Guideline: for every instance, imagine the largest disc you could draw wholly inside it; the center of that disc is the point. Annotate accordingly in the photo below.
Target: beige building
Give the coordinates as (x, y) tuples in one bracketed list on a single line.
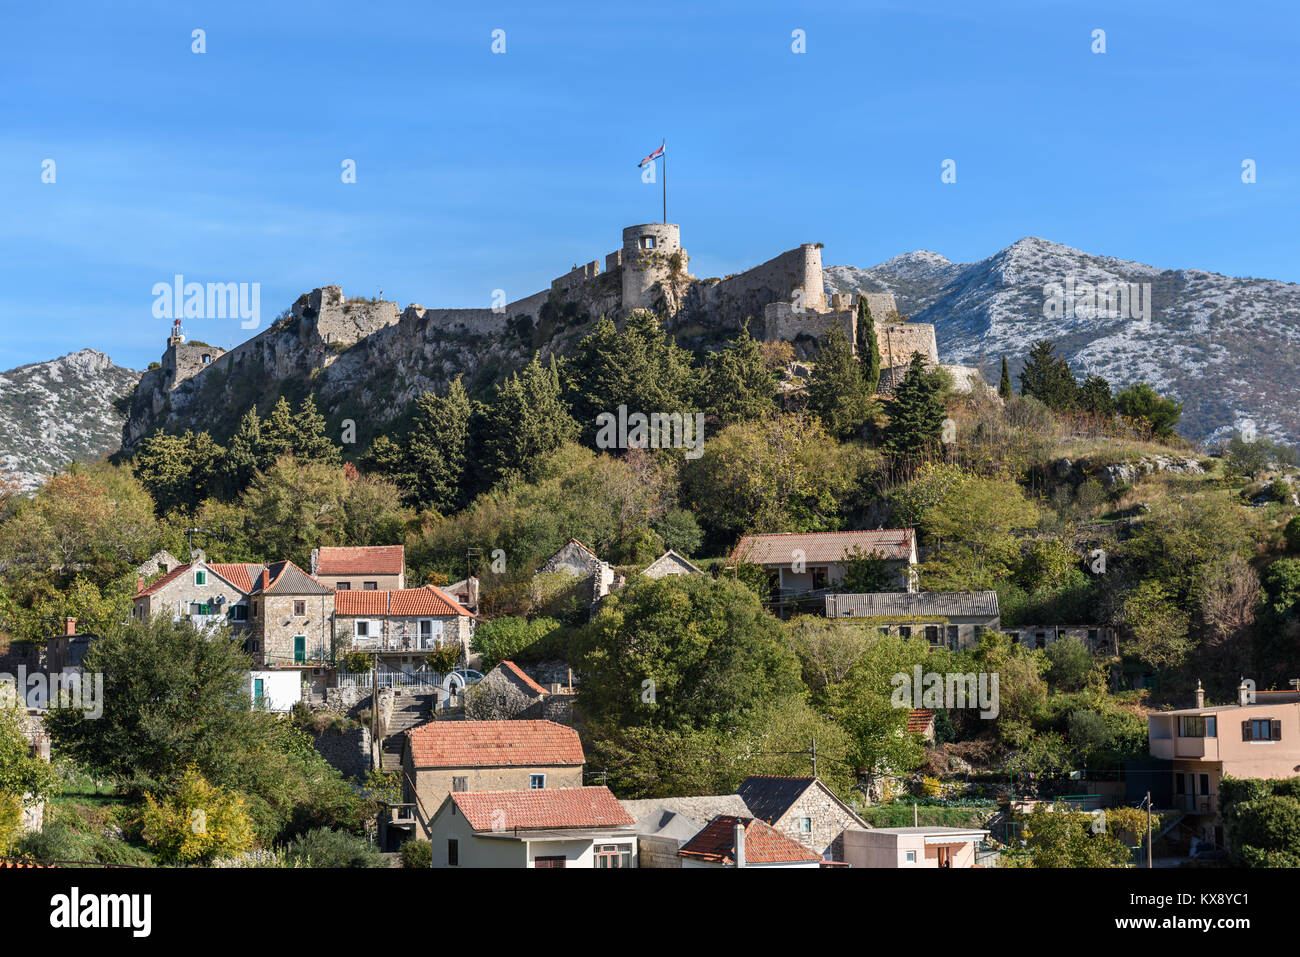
[(444, 757), (403, 624), (807, 562), (1258, 737), (362, 568), (913, 847), (803, 809)]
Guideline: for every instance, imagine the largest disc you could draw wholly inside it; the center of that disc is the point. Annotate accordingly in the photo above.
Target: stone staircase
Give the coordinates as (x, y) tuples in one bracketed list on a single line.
[(409, 709)]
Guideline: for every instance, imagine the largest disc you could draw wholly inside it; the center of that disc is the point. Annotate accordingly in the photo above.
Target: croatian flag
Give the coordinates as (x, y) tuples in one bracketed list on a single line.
[(653, 156)]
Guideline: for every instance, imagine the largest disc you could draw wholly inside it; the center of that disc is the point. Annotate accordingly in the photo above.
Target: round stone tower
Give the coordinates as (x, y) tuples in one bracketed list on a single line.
[(650, 252)]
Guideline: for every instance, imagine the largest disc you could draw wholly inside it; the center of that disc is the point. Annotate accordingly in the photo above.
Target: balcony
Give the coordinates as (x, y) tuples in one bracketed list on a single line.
[(1197, 803), (408, 644), (1202, 749)]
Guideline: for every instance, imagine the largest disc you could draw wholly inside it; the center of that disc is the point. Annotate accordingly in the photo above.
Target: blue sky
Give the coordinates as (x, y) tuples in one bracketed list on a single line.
[(478, 171)]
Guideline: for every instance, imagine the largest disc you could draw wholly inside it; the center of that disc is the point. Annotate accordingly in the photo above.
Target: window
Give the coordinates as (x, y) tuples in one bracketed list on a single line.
[(254, 609), (460, 783), (932, 634), (362, 629), (206, 358), (200, 608), (501, 701), (343, 586), (1261, 729), (954, 637), (536, 781), (239, 612), (370, 586), (1094, 635), (549, 861), (299, 608), (253, 645), (200, 578), (1196, 726), (430, 629), (613, 855), (911, 857), (647, 242), (453, 852), (883, 629), (819, 579), (805, 825), (1040, 639), (905, 631)]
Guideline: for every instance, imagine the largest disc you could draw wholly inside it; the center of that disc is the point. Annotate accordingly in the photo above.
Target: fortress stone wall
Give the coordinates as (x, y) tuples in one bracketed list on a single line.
[(793, 277)]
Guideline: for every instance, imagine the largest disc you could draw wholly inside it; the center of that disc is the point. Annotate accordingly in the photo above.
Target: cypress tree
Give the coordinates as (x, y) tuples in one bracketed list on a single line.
[(310, 443), (438, 448), (737, 386), (527, 421), (1047, 377), (1004, 384), (868, 347)]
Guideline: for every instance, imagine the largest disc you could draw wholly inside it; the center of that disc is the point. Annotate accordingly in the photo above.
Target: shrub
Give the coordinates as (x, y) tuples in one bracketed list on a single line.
[(324, 847), (417, 854), (1293, 534), (197, 822)]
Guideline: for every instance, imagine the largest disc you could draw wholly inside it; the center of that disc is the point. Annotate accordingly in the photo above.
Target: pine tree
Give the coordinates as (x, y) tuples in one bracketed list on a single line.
[(1004, 384), (836, 393), (527, 421), (242, 456), (1047, 377), (917, 412), (310, 443), (438, 448), (868, 346), (1095, 397), (737, 385), (278, 435)]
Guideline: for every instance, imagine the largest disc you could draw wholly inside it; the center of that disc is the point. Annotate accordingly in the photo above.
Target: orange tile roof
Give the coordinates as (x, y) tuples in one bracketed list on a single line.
[(429, 600), (476, 744), (919, 720), (238, 574), (21, 865), (363, 560), (763, 843), (519, 673), (780, 548), (541, 808)]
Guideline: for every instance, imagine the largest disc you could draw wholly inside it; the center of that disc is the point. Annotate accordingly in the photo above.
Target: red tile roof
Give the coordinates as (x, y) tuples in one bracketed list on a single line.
[(519, 673), (238, 574), (363, 560), (429, 600), (919, 721), (476, 744), (779, 548), (763, 843), (541, 808), (21, 865)]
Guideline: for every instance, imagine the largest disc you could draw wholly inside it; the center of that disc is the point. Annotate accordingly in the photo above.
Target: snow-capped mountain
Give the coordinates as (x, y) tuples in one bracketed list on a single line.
[(66, 409), (1227, 347)]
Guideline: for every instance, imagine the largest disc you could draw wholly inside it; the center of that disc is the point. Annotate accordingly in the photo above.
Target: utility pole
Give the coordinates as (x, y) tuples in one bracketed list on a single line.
[(470, 554), (1149, 861), (376, 745), (813, 751)]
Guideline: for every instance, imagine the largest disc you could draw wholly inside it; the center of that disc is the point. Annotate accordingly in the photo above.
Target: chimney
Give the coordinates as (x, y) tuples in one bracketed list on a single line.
[(1243, 693), (70, 626), (740, 844), (1200, 694), (139, 585), (315, 561)]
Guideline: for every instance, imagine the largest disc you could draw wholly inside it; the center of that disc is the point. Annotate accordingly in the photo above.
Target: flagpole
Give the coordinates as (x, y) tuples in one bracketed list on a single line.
[(665, 184)]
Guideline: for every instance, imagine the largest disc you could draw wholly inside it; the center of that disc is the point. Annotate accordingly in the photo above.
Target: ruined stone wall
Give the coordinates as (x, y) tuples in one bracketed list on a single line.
[(805, 329), (747, 294), (898, 342)]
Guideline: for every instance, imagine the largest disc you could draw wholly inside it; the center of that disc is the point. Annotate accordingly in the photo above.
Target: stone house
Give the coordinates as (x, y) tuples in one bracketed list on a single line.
[(403, 624), (730, 841), (1101, 640), (670, 563), (284, 616), (505, 692), (664, 825), (442, 757), (582, 827), (806, 562), (575, 560), (362, 568), (947, 619), (803, 809)]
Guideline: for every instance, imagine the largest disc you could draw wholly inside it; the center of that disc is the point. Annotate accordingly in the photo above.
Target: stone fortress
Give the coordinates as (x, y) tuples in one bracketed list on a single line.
[(342, 342)]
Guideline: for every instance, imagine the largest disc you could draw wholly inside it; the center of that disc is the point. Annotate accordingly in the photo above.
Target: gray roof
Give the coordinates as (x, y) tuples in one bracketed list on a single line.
[(286, 578), (944, 604), (670, 816)]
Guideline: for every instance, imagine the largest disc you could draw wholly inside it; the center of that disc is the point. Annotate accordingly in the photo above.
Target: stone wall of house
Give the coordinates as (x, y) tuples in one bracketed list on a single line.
[(348, 751), (275, 626), (556, 707), (657, 851), (829, 821), (498, 697), (176, 596)]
